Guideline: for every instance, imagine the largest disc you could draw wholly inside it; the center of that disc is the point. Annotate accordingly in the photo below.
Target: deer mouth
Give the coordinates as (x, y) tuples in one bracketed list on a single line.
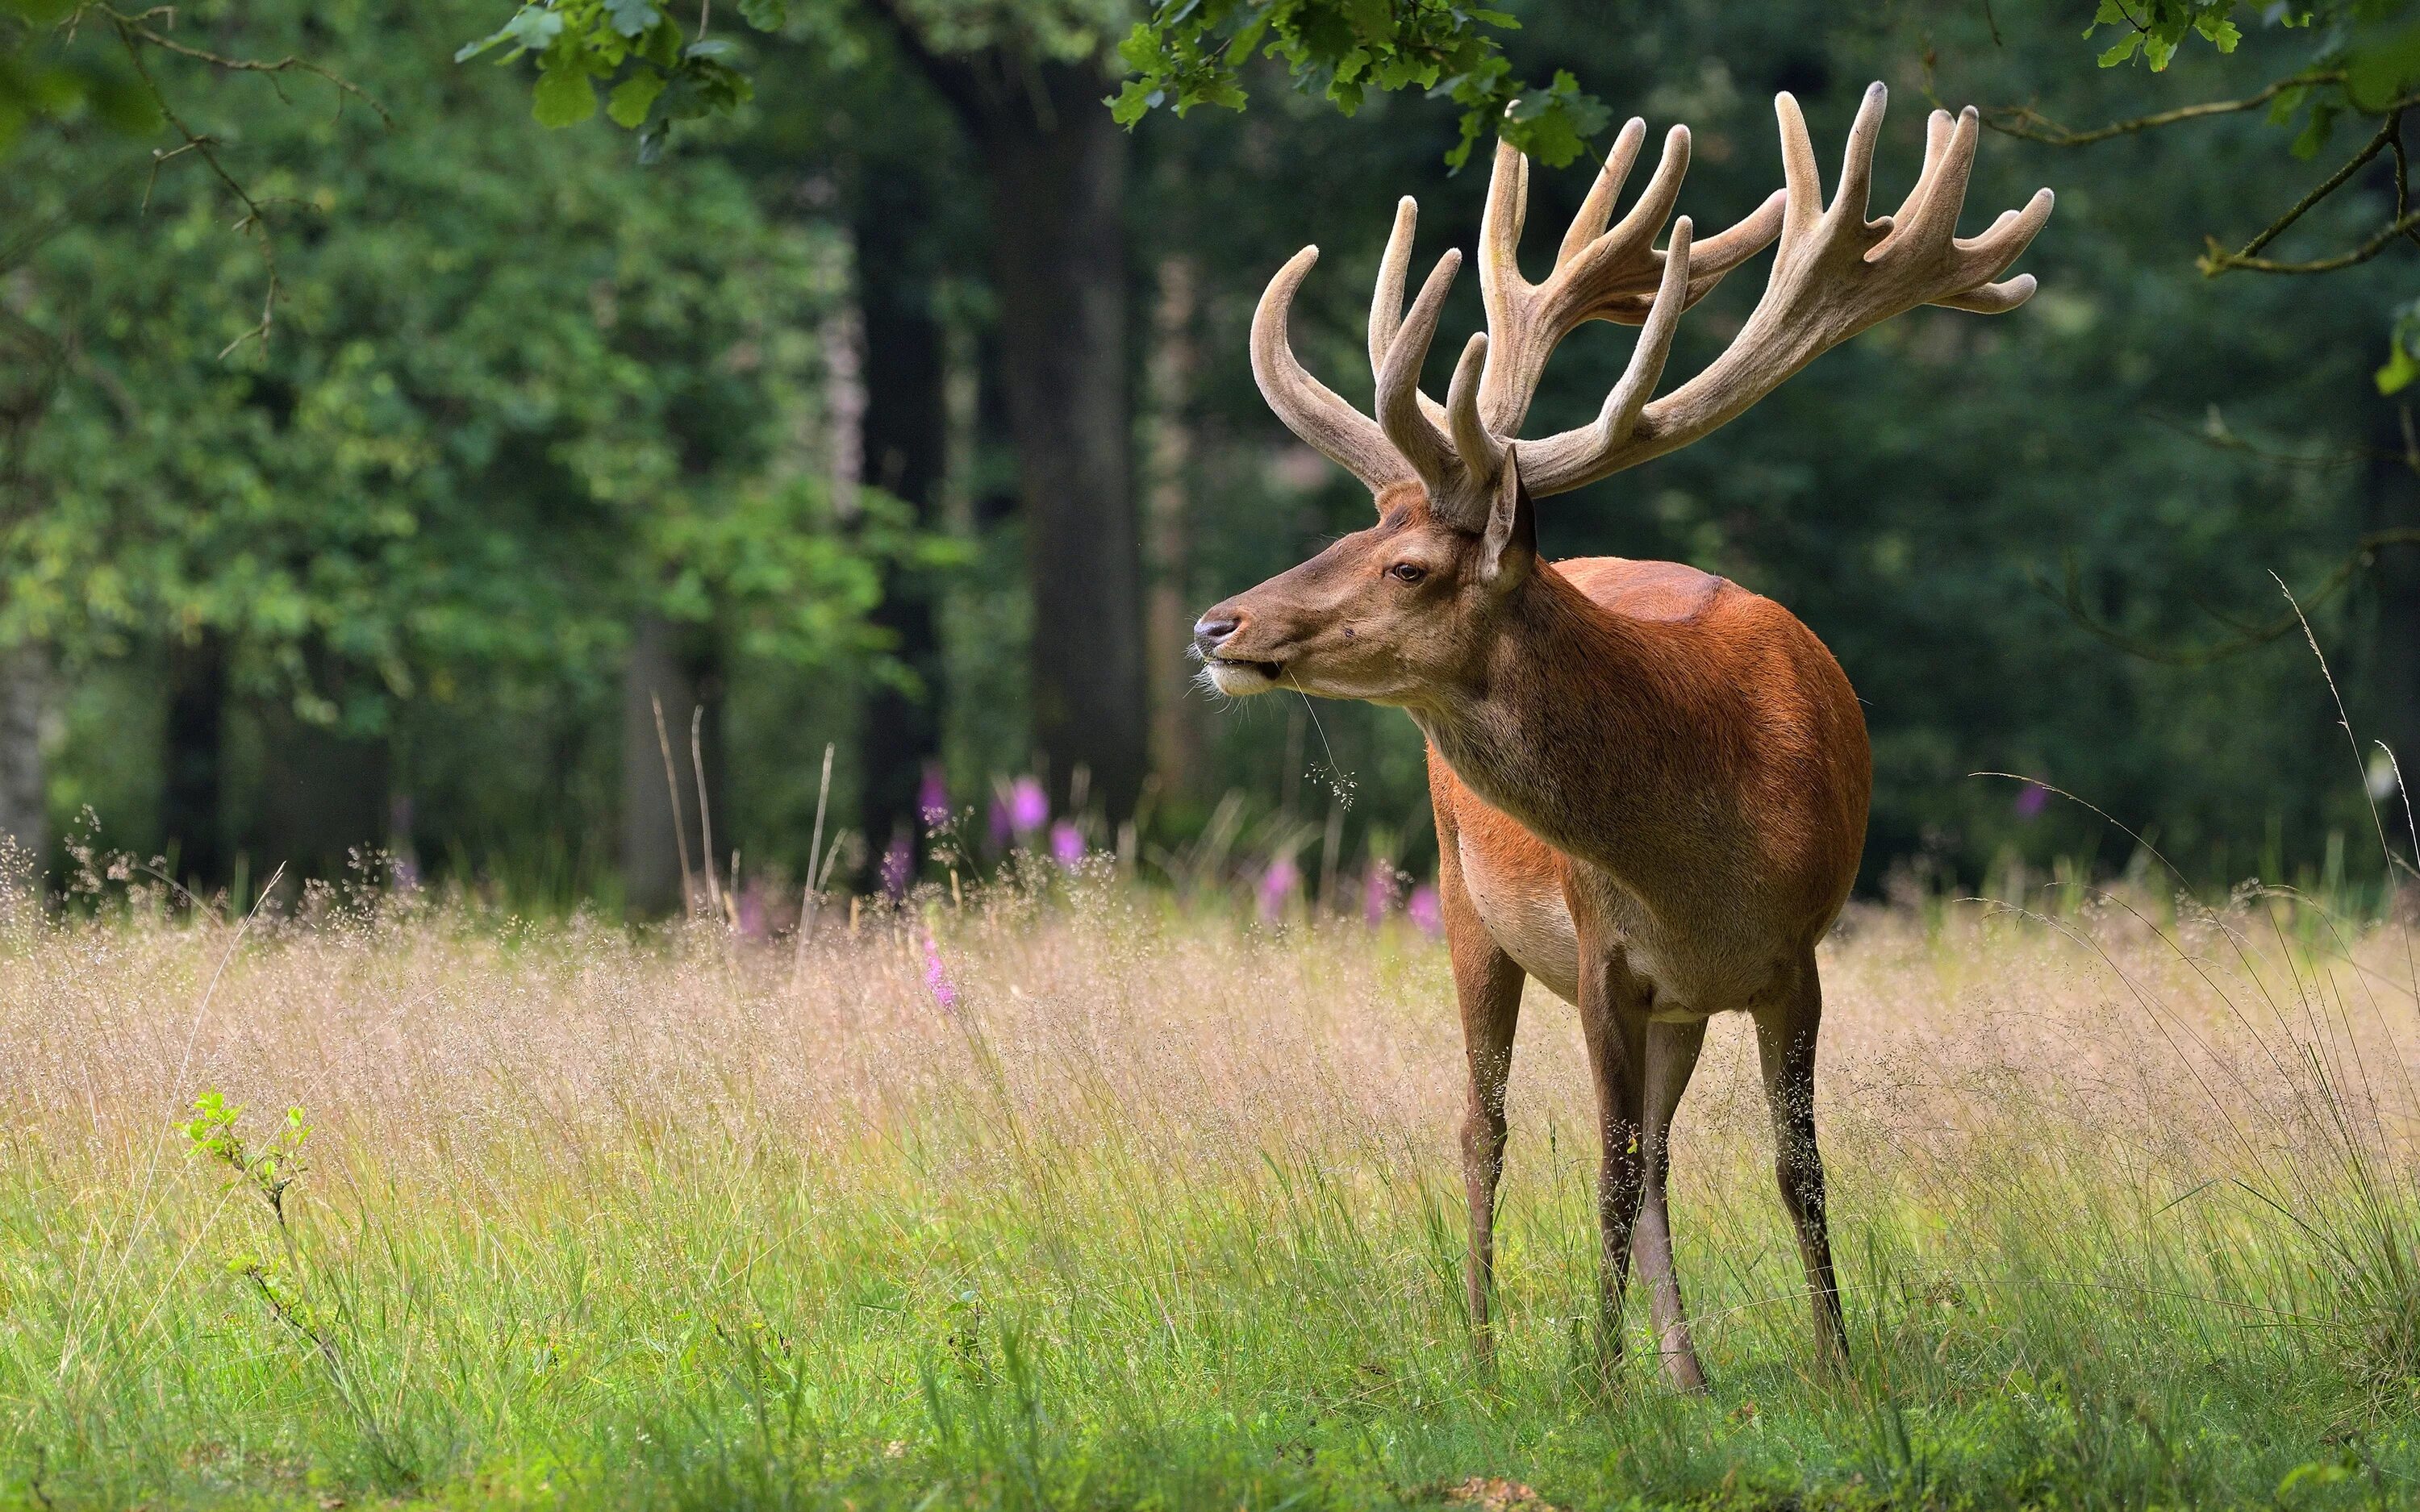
[(1236, 675)]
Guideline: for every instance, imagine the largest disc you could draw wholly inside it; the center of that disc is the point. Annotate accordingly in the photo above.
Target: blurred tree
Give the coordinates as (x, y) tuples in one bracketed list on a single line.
[(1916, 493), (2314, 70), (514, 425), (1023, 83), (862, 141), (579, 478)]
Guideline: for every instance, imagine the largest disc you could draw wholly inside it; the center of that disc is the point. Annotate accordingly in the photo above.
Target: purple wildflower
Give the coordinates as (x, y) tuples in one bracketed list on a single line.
[(1067, 844), (1378, 892), (1277, 885), (2031, 800), (1029, 807), (937, 976), (933, 796), (1000, 830), (898, 866), (1425, 911)]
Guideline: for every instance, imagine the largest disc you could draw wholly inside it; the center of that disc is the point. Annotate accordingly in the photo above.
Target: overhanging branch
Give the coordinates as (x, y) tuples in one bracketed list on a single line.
[(2033, 126), (2069, 595)]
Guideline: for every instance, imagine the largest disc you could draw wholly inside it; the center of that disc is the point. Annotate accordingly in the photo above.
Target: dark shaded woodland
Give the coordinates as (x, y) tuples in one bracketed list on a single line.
[(907, 409)]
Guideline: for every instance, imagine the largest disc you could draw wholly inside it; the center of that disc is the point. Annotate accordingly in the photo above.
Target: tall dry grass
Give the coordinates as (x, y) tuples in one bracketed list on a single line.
[(1062, 1196)]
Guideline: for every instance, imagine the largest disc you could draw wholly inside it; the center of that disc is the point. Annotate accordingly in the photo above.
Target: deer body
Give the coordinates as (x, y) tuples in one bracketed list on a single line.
[(1650, 784), (1708, 781)]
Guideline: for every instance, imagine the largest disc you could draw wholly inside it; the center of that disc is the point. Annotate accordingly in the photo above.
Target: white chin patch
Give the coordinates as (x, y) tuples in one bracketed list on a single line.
[(1239, 679)]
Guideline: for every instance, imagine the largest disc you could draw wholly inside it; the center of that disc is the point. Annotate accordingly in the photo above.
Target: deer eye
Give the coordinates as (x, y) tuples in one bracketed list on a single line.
[(1407, 572)]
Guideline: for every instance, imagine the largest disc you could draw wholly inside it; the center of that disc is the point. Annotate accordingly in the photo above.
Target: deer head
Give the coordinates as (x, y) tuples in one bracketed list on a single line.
[(1390, 613)]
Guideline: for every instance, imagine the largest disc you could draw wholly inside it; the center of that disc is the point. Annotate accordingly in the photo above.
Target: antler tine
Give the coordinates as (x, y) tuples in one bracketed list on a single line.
[(1834, 273), (1526, 320), (1499, 226), (1387, 300), (1657, 200), (1713, 260), (1943, 183), (1509, 300), (1311, 409), (1599, 273), (1571, 450), (1724, 251), (1929, 213), (1645, 368), (1949, 162), (1481, 453), (1596, 212), (1801, 181), (1858, 163), (1415, 437)]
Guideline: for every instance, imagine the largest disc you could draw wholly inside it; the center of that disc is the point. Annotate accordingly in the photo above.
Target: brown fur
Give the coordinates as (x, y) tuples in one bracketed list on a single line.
[(1651, 789)]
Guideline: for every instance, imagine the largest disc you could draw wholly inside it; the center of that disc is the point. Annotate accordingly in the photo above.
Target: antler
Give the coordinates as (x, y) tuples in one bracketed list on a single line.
[(1599, 275), (1311, 409), (1834, 273)]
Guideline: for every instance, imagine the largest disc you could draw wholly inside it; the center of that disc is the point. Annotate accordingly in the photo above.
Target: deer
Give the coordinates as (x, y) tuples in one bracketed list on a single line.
[(1650, 784)]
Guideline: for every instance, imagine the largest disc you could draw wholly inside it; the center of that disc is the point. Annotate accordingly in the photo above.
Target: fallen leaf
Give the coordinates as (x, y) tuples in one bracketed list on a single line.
[(1493, 1493)]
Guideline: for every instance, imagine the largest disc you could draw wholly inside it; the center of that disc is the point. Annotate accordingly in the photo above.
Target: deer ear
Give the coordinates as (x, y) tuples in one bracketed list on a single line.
[(1509, 548)]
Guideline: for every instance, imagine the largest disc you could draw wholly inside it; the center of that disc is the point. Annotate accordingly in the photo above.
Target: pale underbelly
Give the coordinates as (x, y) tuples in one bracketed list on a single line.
[(1531, 924)]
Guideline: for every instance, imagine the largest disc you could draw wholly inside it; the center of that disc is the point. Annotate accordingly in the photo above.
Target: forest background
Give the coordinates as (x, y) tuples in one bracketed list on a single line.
[(376, 463)]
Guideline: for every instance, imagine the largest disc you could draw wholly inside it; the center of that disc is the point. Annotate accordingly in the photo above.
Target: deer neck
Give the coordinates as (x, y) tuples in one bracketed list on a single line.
[(1588, 727)]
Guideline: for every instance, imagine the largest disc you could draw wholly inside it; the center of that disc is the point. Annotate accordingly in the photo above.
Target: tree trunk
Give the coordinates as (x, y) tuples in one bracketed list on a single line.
[(25, 817), (677, 668), (1057, 163), (192, 808), (1175, 735), (324, 810), (2395, 657), (904, 435)]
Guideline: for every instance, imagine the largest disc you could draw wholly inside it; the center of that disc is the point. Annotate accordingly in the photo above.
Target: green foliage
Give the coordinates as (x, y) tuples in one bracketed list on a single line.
[(296, 1286), (521, 393), (1185, 53), (215, 1133), (632, 49), (1189, 52), (42, 80), (2154, 29), (2364, 59), (2403, 350), (504, 422)]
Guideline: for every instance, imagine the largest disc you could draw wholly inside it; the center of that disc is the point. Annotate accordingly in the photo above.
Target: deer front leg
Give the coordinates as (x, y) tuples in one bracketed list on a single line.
[(1613, 1021), (1487, 983), (1672, 1055), (1785, 1042)]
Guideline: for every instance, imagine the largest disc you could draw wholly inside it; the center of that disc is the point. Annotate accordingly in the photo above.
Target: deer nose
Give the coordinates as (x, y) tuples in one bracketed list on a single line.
[(1214, 627)]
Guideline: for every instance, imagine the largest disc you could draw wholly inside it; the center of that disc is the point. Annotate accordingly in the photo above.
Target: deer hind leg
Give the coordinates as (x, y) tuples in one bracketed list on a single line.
[(1487, 983), (1672, 1055), (1785, 1042)]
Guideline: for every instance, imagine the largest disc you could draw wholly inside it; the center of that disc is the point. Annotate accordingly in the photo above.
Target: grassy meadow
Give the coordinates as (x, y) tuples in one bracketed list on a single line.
[(1065, 1197)]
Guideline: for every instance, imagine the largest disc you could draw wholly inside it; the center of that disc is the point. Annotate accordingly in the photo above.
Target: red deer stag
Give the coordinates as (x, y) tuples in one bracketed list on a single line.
[(1650, 783)]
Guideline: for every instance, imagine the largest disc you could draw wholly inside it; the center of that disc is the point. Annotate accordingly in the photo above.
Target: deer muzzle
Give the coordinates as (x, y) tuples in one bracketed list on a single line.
[(1219, 641)]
